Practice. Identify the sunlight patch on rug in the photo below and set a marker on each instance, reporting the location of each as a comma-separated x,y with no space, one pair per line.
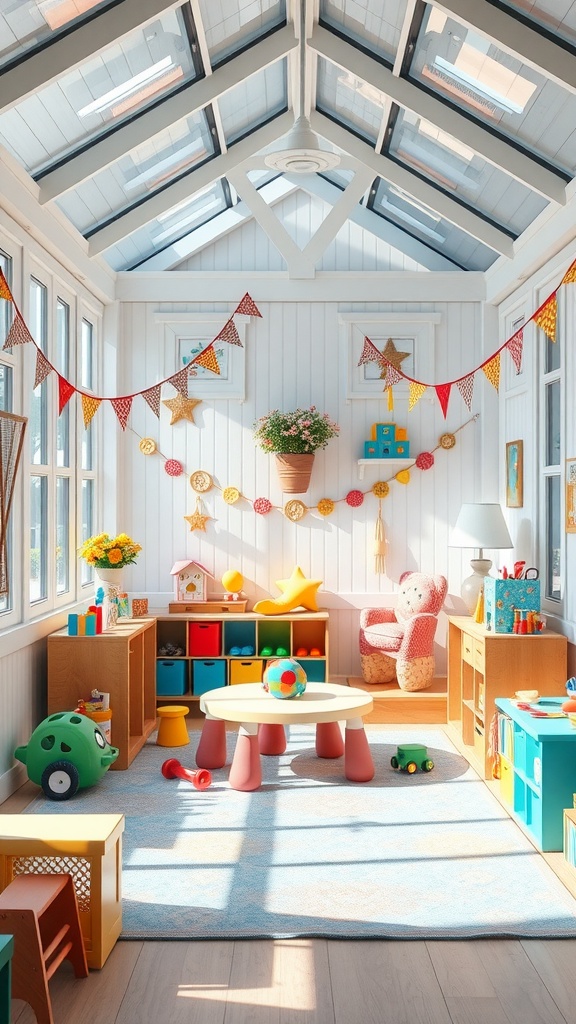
311,854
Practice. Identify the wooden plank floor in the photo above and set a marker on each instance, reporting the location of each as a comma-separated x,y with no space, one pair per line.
317,981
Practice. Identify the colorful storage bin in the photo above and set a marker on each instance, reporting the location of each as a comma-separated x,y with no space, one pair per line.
208,675
246,670
501,597
171,678
205,639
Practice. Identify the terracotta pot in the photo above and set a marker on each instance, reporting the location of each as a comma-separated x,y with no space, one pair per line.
294,472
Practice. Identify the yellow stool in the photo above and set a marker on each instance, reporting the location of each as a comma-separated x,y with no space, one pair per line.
172,731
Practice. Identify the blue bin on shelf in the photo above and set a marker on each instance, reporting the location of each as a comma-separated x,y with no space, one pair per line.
170,678
208,675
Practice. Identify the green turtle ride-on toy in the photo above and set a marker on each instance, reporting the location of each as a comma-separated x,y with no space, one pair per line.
410,757
66,752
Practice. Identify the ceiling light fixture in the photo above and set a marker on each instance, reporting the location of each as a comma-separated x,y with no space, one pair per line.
300,151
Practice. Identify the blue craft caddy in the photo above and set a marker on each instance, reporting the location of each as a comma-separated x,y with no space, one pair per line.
501,597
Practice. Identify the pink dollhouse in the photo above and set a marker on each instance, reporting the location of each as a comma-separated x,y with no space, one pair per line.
190,581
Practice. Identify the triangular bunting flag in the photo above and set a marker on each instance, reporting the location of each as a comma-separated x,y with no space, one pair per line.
90,407
545,316
370,353
570,275
247,306
43,368
180,381
65,392
122,408
515,347
5,292
208,359
152,396
492,371
229,334
443,392
393,375
415,392
18,333
466,388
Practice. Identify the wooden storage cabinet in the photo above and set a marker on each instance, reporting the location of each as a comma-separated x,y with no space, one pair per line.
542,755
485,665
206,641
121,662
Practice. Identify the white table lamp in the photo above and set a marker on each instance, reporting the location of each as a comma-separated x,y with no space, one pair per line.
479,526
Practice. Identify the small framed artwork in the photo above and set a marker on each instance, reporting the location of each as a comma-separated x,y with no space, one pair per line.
514,474
570,495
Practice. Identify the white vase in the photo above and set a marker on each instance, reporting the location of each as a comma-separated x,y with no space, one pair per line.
107,587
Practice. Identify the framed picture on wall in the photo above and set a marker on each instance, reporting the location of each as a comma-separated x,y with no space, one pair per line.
514,474
570,495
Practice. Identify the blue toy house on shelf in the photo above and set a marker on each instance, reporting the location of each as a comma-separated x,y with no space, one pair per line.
387,442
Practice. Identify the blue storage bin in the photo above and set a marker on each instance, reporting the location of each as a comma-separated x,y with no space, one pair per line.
171,678
208,675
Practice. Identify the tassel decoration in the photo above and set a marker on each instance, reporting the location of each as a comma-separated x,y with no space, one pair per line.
379,544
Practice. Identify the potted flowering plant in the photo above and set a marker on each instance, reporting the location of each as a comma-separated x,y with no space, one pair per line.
105,552
294,437
108,556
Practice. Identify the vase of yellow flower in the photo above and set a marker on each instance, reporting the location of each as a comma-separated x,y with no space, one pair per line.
108,556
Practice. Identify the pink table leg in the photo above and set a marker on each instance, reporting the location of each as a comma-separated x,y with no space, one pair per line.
211,752
329,742
246,771
358,763
272,739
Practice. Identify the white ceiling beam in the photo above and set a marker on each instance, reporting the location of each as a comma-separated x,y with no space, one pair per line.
141,129
387,232
407,95
420,190
276,286
342,205
185,188
507,33
201,36
64,54
298,264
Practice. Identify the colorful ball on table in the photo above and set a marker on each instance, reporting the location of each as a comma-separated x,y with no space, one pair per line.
233,581
284,678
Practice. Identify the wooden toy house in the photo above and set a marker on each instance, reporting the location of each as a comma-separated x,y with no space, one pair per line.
190,581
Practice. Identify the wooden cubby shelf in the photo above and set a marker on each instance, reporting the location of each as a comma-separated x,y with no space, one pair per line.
223,649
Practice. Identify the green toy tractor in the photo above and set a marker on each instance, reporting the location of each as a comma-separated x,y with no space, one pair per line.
410,757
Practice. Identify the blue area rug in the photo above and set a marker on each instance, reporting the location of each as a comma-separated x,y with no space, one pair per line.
310,854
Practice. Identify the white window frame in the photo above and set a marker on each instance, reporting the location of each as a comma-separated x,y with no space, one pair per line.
410,332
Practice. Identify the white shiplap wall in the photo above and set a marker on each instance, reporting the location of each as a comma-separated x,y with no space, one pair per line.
297,355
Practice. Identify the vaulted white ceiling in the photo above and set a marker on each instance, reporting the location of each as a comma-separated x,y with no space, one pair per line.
146,122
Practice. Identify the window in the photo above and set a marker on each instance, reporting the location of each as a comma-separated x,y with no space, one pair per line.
6,386
551,582
87,484
38,326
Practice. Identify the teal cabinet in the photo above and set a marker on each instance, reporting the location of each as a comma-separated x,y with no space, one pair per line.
542,755
6,954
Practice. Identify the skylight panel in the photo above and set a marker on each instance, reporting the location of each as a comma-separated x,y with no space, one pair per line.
254,101
26,24
495,87
423,223
100,93
140,173
374,27
457,170
349,100
558,18
231,25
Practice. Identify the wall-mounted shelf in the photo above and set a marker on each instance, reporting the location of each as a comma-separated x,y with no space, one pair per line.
397,463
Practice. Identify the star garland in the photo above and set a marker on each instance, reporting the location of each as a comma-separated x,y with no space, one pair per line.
295,509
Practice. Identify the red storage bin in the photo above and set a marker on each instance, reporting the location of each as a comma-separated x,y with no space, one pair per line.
205,639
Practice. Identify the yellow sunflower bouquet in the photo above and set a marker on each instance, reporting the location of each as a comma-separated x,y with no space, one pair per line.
105,552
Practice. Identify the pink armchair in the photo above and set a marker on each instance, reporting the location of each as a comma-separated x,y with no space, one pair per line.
399,643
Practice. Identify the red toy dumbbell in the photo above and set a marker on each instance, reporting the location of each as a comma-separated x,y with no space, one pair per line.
172,769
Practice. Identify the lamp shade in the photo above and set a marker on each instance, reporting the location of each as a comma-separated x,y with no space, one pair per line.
480,526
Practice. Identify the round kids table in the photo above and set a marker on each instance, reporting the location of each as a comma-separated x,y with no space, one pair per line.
262,718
